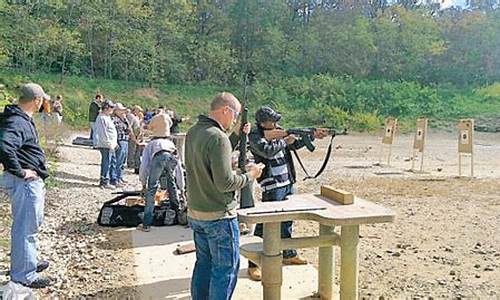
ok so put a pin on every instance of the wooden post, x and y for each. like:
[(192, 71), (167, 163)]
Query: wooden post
[(381, 154), (459, 164), (389, 156), (422, 162), (388, 137), (271, 262), (472, 164), (349, 245), (419, 143), (325, 266), (466, 143), (413, 160)]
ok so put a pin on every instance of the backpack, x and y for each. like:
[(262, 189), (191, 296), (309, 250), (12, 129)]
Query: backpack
[(113, 214)]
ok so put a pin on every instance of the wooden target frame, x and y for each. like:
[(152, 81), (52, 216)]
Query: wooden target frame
[(466, 143), (388, 138), (419, 142)]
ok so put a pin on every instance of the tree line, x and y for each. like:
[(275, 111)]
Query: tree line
[(181, 41)]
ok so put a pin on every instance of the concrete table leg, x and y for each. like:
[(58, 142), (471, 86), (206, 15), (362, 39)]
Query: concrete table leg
[(349, 239), (325, 266), (271, 262)]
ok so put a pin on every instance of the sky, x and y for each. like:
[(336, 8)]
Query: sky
[(448, 3)]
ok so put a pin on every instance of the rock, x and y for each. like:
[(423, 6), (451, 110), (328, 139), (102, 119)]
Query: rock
[(477, 276), (489, 268)]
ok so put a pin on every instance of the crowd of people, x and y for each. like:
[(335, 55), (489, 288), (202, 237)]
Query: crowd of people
[(142, 140), (119, 134)]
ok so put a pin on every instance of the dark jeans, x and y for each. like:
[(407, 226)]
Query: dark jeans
[(217, 259), (107, 161), (118, 166), (162, 173), (278, 194)]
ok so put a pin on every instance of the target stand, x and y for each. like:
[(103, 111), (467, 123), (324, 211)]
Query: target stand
[(419, 144), (387, 140), (466, 144)]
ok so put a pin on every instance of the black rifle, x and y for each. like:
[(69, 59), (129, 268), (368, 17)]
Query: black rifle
[(306, 135), (246, 193)]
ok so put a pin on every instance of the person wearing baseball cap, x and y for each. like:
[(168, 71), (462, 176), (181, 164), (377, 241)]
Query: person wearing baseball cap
[(278, 176), (106, 138), (25, 171), (134, 149), (123, 135)]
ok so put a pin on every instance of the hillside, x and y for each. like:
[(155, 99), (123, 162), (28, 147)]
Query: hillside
[(78, 92), (320, 100)]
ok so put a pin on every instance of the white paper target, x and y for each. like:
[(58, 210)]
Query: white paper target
[(464, 137), (420, 134)]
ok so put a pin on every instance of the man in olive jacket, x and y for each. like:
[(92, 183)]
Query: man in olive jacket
[(211, 183)]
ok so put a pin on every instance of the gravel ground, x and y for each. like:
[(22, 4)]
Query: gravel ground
[(443, 244), (87, 261)]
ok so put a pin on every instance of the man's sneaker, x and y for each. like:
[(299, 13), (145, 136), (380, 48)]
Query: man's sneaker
[(144, 228), (254, 274), (42, 266), (296, 260), (118, 184), (39, 283), (107, 186)]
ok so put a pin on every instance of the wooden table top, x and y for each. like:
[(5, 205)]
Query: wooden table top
[(325, 211)]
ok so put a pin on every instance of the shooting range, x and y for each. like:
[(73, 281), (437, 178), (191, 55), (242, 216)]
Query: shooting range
[(419, 143), (466, 144), (388, 139)]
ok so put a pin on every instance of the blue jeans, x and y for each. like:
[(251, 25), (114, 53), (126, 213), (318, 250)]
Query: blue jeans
[(107, 166), (162, 173), (92, 133), (279, 194), (118, 162), (27, 203), (217, 259)]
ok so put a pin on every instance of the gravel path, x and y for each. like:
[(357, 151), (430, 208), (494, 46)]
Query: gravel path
[(87, 261)]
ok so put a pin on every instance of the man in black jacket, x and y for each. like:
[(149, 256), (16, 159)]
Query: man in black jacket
[(271, 146), (24, 172), (94, 110)]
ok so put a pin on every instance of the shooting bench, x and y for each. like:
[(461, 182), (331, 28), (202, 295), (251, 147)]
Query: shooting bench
[(323, 209)]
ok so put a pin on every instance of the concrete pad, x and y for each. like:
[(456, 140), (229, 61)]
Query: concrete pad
[(161, 274)]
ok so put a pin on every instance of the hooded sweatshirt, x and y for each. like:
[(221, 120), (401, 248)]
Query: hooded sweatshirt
[(19, 145)]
